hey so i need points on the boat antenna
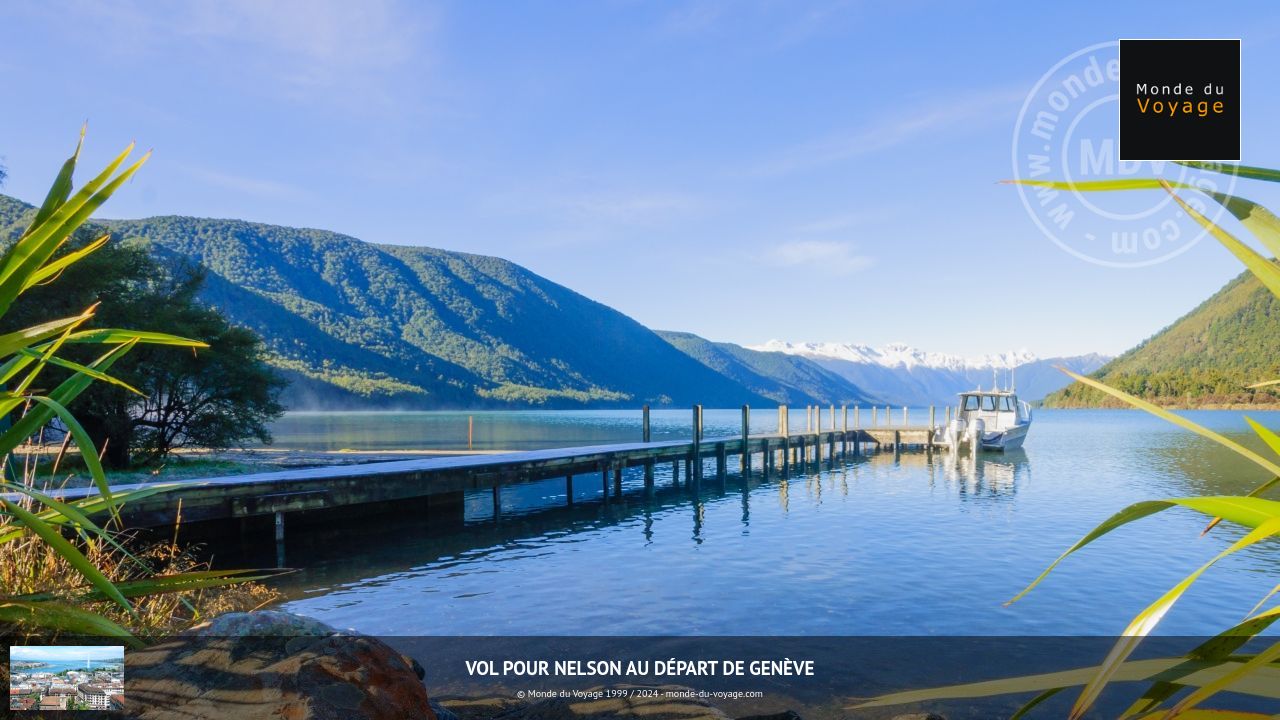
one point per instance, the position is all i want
(995, 378)
(1013, 378)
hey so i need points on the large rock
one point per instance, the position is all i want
(274, 666)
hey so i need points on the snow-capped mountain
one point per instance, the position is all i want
(900, 374)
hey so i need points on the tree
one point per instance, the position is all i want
(215, 397)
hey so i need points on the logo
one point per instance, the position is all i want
(1180, 100)
(1068, 132)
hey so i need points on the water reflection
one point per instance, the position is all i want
(987, 476)
(905, 543)
(540, 513)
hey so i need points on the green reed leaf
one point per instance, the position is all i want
(1144, 622)
(69, 552)
(1250, 172)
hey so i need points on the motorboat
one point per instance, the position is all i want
(988, 420)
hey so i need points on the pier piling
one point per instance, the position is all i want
(444, 482)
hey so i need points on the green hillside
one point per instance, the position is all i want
(1208, 357)
(783, 378)
(357, 324)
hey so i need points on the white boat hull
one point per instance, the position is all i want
(996, 440)
(1002, 440)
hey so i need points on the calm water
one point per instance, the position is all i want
(875, 545)
(57, 666)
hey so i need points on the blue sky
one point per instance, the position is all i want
(743, 170)
(65, 653)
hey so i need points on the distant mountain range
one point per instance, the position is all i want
(358, 325)
(781, 377)
(1206, 358)
(904, 375)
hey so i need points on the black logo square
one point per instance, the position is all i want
(1180, 100)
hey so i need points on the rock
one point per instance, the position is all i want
(918, 716)
(787, 715)
(442, 712)
(263, 623)
(274, 666)
(649, 708)
(480, 708)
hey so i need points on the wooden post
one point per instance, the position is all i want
(648, 476)
(696, 470)
(568, 487)
(604, 481)
(857, 428)
(471, 426)
(617, 479)
(497, 501)
(746, 438)
(279, 539)
(844, 430)
(675, 473)
(833, 417)
(932, 417)
(874, 410)
(644, 422)
(932, 428)
(721, 461)
(904, 417)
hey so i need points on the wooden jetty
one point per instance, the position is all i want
(439, 483)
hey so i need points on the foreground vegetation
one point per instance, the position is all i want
(1227, 662)
(62, 570)
(217, 398)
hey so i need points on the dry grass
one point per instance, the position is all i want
(30, 566)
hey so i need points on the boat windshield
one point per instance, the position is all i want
(989, 403)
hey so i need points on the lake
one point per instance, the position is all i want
(876, 545)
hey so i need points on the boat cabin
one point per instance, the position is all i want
(998, 409)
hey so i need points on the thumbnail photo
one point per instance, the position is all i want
(66, 677)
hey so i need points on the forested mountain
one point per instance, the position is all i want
(1207, 357)
(783, 378)
(357, 324)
